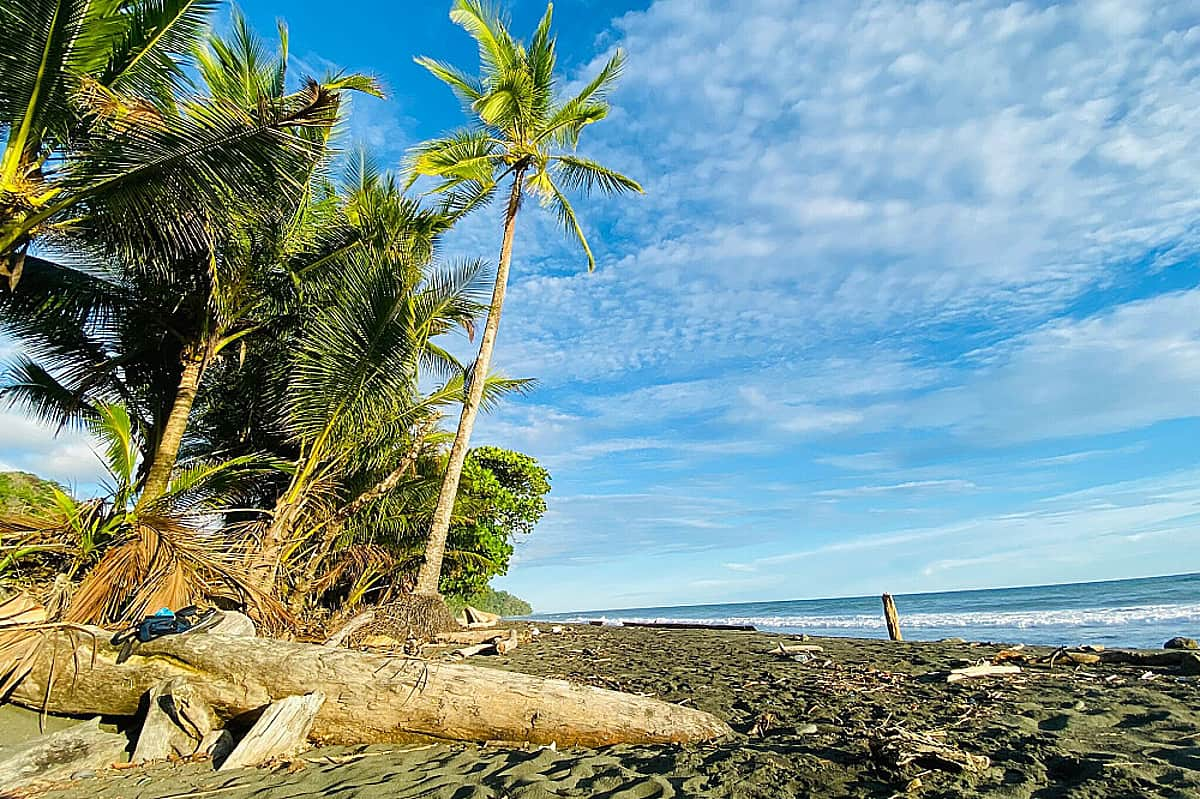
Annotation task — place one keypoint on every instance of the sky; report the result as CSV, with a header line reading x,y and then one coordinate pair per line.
x,y
911,302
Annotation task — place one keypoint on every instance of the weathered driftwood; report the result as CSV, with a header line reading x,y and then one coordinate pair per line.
x,y
898,750
480,619
216,745
370,697
986,670
347,629
1185,661
235,624
507,644
797,649
178,719
475,649
84,747
892,618
467,637
281,731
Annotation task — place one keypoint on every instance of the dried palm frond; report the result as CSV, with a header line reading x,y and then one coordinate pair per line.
x,y
163,562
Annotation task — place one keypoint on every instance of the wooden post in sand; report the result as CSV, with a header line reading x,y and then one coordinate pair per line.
x,y
892,618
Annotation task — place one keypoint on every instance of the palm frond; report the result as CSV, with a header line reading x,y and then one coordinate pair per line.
x,y
497,50
467,88
588,175
156,36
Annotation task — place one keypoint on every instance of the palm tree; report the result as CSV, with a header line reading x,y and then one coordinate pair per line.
x,y
523,132
353,403
93,128
141,323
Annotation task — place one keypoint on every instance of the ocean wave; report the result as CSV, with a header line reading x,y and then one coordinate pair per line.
x,y
1145,614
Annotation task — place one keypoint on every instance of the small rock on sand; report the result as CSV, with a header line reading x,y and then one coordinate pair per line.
x,y
1179,642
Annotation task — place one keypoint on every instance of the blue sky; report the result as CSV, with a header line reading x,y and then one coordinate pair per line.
x,y
911,302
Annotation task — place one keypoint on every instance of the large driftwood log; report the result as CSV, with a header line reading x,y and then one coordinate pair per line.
x,y
370,697
84,747
281,731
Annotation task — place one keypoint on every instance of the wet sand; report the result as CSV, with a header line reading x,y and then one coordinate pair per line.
x,y
801,729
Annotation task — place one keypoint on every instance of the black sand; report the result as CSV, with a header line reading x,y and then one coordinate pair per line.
x,y
802,729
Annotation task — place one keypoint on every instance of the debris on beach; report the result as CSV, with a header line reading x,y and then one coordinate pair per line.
x,y
895,750
984,670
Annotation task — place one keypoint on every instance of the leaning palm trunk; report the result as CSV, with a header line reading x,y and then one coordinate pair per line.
x,y
158,476
435,548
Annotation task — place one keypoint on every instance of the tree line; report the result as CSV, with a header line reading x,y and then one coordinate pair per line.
x,y
252,323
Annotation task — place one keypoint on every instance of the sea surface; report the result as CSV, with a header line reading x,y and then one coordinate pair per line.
x,y
1133,613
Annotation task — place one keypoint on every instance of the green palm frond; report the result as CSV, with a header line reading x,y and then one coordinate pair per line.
x,y
570,223
118,439
497,50
587,175
157,35
465,87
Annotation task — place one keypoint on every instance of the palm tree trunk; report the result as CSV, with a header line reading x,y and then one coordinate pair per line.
x,y
158,476
439,531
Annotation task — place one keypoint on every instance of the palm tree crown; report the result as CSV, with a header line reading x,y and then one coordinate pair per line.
x,y
520,127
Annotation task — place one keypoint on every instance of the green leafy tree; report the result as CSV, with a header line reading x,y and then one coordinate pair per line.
x,y
502,496
524,133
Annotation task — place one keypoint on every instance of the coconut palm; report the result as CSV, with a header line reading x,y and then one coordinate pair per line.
x,y
521,132
93,129
353,402
141,324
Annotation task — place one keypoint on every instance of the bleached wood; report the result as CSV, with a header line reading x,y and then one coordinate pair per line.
x,y
371,697
471,636
507,644
986,670
892,618
475,649
59,755
177,720
282,730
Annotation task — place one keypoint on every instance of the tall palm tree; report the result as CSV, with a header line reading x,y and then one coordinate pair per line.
x,y
92,128
522,132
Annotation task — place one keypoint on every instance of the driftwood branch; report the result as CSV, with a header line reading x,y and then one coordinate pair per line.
x,y
281,731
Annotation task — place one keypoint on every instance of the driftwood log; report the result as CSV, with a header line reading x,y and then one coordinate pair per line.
x,y
84,747
281,731
178,720
370,698
1186,662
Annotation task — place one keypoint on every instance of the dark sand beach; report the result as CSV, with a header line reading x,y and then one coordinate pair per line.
x,y
801,729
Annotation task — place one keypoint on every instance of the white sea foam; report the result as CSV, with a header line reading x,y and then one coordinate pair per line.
x,y
1144,614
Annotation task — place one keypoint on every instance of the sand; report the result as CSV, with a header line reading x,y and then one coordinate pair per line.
x,y
802,729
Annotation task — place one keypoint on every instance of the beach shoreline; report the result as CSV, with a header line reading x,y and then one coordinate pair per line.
x,y
811,728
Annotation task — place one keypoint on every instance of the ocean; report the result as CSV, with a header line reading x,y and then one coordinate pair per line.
x,y
1132,613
